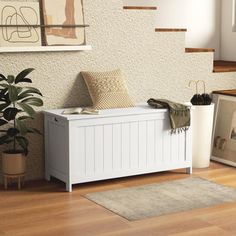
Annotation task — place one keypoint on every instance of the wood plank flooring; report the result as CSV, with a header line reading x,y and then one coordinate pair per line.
x,y
43,209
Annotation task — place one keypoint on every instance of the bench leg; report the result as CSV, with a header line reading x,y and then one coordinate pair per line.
x,y
5,182
189,170
47,177
19,182
68,187
23,181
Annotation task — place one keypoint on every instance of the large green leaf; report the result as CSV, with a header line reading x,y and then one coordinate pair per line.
x,y
10,113
33,101
2,77
21,77
23,142
21,127
24,95
6,97
26,108
13,95
3,92
2,99
4,106
10,79
33,130
19,89
28,92
24,117
3,122
12,132
4,85
3,139
26,80
33,90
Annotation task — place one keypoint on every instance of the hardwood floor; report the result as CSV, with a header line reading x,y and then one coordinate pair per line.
x,y
43,209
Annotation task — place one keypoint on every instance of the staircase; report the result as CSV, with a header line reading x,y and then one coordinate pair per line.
x,y
218,66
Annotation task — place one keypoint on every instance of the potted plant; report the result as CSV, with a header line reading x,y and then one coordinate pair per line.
x,y
16,107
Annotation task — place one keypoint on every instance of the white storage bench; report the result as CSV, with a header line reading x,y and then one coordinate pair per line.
x,y
115,143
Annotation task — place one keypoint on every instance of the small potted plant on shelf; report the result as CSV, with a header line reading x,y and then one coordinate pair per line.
x,y
16,107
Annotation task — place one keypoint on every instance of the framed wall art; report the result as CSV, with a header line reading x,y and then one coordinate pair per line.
x,y
42,25
65,13
224,135
19,16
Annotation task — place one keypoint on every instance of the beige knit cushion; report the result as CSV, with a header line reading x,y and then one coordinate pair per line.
x,y
107,89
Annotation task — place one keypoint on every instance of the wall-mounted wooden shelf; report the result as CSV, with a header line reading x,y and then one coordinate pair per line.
x,y
45,49
198,50
230,92
170,30
221,66
139,8
43,26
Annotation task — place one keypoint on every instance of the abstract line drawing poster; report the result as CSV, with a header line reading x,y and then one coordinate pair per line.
x,y
64,12
19,13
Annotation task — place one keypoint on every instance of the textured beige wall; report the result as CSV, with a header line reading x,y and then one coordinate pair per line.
x,y
155,65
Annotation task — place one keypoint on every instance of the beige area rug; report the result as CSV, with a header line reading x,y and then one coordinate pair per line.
x,y
151,200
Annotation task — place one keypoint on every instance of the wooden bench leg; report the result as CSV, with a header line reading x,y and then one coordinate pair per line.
x,y
9,182
5,182
19,185
23,181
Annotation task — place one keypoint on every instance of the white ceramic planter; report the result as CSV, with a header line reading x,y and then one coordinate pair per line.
x,y
202,125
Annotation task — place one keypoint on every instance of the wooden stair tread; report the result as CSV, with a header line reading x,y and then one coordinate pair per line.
x,y
224,66
170,30
139,8
198,50
230,92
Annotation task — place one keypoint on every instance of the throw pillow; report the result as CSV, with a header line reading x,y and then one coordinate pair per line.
x,y
107,89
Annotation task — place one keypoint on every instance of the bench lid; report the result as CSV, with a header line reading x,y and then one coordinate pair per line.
x,y
137,110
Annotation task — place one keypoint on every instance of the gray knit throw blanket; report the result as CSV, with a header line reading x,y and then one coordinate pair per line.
x,y
179,113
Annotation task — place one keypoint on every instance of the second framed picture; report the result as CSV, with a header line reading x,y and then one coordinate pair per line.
x,y
224,137
65,13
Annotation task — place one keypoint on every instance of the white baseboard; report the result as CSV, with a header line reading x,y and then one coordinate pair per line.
x,y
227,162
